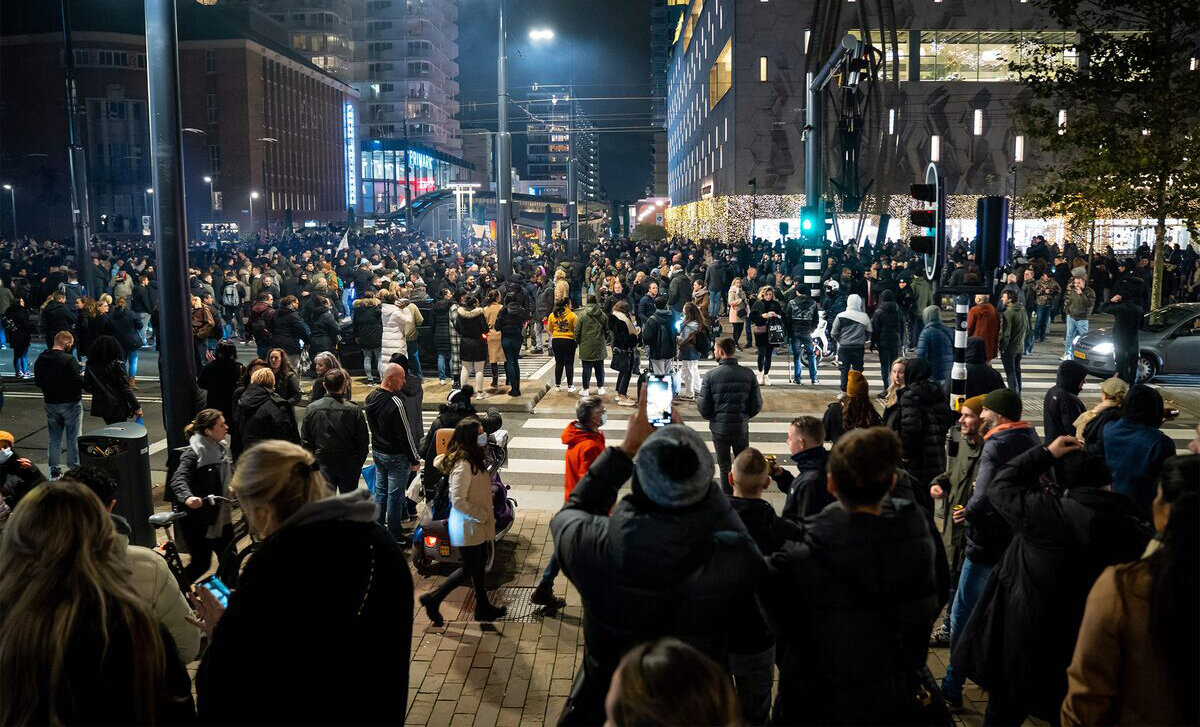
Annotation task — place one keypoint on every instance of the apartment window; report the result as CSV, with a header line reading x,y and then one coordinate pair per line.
x,y
83,58
762,68
210,61
214,158
210,107
720,75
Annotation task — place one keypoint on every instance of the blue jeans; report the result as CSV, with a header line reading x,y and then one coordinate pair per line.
x,y
64,421
444,371
1029,334
391,480
512,366
550,573
1043,322
970,586
414,357
21,363
715,300
1075,327
132,361
802,350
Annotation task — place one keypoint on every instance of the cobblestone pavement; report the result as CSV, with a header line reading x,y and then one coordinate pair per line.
x,y
511,673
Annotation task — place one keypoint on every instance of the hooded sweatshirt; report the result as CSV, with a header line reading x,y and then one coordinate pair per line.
x,y
852,327
583,447
935,344
1137,461
981,377
1062,405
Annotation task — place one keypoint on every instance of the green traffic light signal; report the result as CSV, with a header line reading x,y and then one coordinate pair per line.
x,y
806,224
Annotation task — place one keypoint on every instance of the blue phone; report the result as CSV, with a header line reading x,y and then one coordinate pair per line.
x,y
214,586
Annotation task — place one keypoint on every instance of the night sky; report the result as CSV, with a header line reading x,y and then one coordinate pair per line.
x,y
610,41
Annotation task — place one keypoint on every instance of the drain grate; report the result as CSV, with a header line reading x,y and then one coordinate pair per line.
x,y
520,608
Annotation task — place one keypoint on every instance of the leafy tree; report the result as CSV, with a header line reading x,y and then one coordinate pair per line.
x,y
1131,141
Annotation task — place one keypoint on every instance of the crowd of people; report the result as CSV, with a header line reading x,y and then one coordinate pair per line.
x,y
1063,568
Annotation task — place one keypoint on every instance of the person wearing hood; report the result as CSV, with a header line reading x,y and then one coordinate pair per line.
x,y
472,328
367,321
981,377
510,323
936,345
353,578
851,331
674,540
984,322
852,603
887,334
1006,435
923,418
262,414
1062,405
203,470
1019,640
591,326
679,290
752,645
1014,328
288,329
472,521
1136,463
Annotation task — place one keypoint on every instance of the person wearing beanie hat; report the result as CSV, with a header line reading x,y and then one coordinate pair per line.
x,y
854,411
670,559
988,534
951,490
1089,426
1062,405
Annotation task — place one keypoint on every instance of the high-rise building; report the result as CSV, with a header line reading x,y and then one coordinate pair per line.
x,y
553,114
665,16
401,56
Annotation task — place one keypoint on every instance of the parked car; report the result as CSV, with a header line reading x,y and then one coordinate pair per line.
x,y
1168,343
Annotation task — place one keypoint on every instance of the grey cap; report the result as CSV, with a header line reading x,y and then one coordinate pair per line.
x,y
673,467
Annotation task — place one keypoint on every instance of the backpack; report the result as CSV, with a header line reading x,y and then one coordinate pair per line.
x,y
229,296
703,342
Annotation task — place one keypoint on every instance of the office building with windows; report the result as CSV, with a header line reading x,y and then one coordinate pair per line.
x,y
552,115
736,111
664,17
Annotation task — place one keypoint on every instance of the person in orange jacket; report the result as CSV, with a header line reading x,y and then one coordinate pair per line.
x,y
585,442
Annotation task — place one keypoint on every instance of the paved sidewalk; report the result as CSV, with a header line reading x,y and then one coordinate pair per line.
x,y
519,672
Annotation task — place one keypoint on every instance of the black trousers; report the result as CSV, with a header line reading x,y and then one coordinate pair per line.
x,y
192,530
1126,360
729,445
474,566
887,354
623,382
1012,370
564,359
851,357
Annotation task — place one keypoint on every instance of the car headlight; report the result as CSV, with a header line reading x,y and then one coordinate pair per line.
x,y
1103,349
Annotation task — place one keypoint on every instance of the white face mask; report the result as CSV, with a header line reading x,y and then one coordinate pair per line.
x,y
482,440
4,455
603,418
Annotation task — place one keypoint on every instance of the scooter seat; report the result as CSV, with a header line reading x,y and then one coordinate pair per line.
x,y
163,519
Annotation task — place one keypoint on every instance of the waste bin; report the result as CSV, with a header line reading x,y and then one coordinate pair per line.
x,y
123,451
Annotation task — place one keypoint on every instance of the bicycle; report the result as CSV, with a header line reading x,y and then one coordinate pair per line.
x,y
168,550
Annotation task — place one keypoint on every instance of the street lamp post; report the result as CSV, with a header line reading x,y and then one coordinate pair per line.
x,y
253,196
503,161
149,210
212,201
12,196
266,182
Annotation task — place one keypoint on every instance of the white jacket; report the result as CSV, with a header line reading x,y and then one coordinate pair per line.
x,y
472,519
395,326
152,581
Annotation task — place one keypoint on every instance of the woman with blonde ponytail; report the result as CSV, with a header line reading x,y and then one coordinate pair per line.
x,y
77,644
327,596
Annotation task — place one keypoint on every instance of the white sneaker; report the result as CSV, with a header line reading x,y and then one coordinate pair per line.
x,y
816,382
571,387
766,380
481,396
583,393
558,387
601,391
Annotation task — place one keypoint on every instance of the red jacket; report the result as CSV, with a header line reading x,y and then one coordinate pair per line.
x,y
984,322
583,447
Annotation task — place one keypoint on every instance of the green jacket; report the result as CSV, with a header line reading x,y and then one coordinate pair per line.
x,y
1079,305
958,483
922,293
1014,323
590,326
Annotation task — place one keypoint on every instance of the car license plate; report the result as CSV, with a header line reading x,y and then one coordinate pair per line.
x,y
444,550
1080,354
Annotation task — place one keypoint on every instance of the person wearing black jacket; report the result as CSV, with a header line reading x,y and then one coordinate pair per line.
x,y
221,377
981,377
328,553
800,318
262,414
203,470
335,430
106,378
126,329
20,330
510,322
288,329
1062,405
923,420
752,646
324,331
806,492
887,334
57,316
670,559
393,448
57,374
1021,636
729,398
368,332
1126,310
853,601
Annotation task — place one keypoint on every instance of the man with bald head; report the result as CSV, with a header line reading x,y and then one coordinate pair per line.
x,y
393,448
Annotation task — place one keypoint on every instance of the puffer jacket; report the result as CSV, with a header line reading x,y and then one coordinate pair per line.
x,y
392,340
472,327
634,567
1062,405
441,326
325,333
590,327
984,322
729,396
988,535
262,414
57,317
288,330
335,430
801,317
368,323
852,604
511,321
125,327
924,419
981,377
852,327
887,325
658,333
936,344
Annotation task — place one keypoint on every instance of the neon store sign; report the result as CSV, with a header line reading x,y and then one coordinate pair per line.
x,y
351,167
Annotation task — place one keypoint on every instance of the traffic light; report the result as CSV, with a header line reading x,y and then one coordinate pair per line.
x,y
932,221
810,220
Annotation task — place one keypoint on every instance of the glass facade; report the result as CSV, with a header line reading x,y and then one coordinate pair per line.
x,y
383,177
984,55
